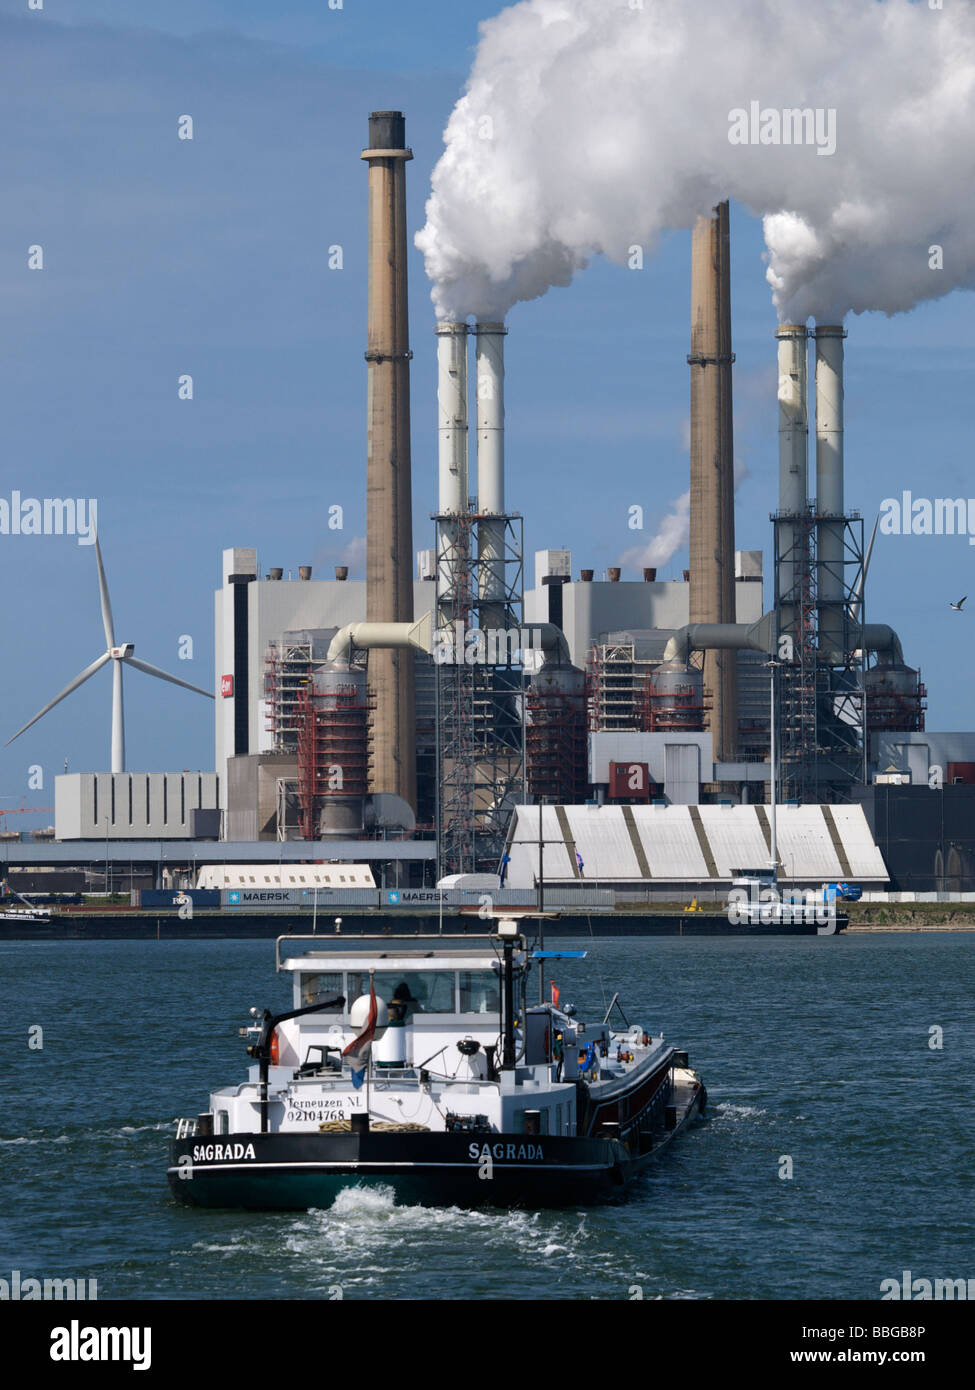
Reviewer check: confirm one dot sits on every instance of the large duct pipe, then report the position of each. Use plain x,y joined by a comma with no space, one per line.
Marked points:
389,517
829,491
381,636
883,641
703,637
712,525
489,339
793,465
551,640
761,637
452,443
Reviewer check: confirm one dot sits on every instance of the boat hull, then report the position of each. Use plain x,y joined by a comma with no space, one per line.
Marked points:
294,1172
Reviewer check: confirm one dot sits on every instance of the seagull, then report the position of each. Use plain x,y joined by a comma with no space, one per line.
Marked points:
957,606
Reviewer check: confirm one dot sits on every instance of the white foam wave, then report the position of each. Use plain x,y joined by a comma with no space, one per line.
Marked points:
736,1112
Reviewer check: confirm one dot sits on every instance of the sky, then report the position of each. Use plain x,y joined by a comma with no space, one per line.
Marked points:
163,257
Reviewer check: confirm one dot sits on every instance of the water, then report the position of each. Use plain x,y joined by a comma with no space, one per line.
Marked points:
815,1049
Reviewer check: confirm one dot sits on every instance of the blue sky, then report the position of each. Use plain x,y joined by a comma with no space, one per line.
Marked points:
164,257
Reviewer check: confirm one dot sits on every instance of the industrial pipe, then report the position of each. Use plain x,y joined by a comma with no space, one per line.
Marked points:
452,442
383,635
760,637
829,491
702,637
551,643
793,464
489,356
881,639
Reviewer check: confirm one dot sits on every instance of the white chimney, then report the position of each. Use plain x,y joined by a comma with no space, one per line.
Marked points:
793,461
489,338
829,489
452,445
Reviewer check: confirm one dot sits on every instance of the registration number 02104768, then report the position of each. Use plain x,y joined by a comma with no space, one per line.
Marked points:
307,1116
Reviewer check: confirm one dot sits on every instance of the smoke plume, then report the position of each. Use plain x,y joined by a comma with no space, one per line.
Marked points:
671,535
592,126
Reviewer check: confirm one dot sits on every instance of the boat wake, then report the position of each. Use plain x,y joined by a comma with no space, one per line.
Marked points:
727,1110
40,1139
368,1217
86,1135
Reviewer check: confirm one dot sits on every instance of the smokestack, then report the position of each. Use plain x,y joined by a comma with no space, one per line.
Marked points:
389,518
452,443
793,463
489,339
829,491
712,518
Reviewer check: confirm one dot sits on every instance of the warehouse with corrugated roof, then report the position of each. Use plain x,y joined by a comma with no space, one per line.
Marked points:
662,846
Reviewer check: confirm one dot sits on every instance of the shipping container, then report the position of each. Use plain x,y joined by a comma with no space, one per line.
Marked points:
177,897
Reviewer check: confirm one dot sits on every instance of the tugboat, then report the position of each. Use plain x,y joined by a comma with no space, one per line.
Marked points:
419,1065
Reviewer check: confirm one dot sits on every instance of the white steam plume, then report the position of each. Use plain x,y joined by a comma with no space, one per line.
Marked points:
671,535
590,126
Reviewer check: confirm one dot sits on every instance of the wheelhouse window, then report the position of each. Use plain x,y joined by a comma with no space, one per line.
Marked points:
480,992
323,985
413,991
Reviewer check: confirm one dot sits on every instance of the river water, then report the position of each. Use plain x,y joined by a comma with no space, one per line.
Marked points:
817,1054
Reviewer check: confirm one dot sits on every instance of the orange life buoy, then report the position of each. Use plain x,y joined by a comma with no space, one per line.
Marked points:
274,1048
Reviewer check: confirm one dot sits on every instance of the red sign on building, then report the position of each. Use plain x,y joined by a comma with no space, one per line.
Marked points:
226,685
629,781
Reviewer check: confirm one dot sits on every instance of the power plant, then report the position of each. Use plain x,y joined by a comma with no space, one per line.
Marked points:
411,721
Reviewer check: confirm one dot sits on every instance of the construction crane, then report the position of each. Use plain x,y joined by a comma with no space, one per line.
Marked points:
23,810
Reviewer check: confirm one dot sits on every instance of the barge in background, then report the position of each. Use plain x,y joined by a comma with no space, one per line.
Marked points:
427,1072
201,913
129,924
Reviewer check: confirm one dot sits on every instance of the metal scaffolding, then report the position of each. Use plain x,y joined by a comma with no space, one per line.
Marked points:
288,668
480,700
333,752
556,744
896,703
821,709
617,684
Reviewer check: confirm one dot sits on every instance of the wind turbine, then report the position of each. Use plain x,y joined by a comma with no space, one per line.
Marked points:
118,654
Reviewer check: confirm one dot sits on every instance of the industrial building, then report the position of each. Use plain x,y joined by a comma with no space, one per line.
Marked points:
408,721
679,849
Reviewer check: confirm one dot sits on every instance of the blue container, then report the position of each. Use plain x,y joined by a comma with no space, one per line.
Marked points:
176,897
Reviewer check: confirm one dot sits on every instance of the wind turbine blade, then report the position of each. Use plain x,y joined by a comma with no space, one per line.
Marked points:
107,619
856,604
78,680
866,558
164,676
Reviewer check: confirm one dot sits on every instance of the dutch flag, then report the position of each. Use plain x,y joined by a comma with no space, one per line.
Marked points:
358,1049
